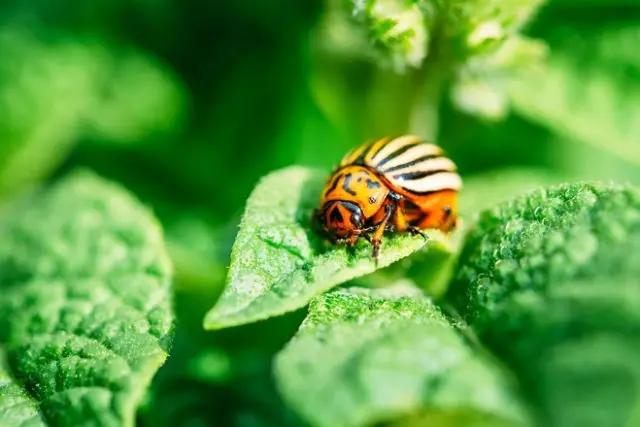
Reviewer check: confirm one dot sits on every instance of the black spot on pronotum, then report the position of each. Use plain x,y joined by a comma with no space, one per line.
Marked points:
372,199
346,183
373,184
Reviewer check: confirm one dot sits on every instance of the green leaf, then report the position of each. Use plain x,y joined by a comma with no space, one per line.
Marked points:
139,101
584,336
278,264
590,105
432,271
44,90
17,408
485,190
222,378
616,45
550,235
367,356
578,4
85,307
548,281
481,84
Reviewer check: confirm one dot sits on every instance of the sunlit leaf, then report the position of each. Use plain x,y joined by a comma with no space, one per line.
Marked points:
548,282
590,105
278,263
85,305
378,355
45,89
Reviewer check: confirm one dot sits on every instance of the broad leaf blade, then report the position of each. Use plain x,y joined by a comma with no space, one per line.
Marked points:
484,190
17,408
549,282
376,356
85,315
582,104
278,264
45,89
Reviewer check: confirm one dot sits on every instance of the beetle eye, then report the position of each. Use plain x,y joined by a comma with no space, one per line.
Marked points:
356,219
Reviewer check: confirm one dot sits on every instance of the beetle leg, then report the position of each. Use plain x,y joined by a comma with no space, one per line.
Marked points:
369,229
353,239
400,221
415,231
377,236
403,225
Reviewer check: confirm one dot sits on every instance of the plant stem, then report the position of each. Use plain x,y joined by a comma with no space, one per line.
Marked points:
388,103
429,88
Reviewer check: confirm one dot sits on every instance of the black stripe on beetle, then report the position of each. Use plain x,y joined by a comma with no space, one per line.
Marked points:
410,176
411,163
397,153
360,159
373,156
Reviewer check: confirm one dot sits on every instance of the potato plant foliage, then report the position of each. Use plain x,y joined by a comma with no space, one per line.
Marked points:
160,163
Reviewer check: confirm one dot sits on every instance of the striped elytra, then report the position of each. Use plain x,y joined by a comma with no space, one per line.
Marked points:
400,184
409,164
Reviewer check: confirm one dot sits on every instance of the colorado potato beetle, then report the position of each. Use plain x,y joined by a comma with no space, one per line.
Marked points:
401,184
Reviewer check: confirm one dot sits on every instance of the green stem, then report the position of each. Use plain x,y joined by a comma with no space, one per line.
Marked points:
429,88
388,104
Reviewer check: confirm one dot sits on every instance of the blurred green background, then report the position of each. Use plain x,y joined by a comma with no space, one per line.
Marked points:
188,104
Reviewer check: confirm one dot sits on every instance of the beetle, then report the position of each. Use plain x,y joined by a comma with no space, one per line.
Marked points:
400,183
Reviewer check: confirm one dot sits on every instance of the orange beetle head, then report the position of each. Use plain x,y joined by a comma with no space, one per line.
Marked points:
341,218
